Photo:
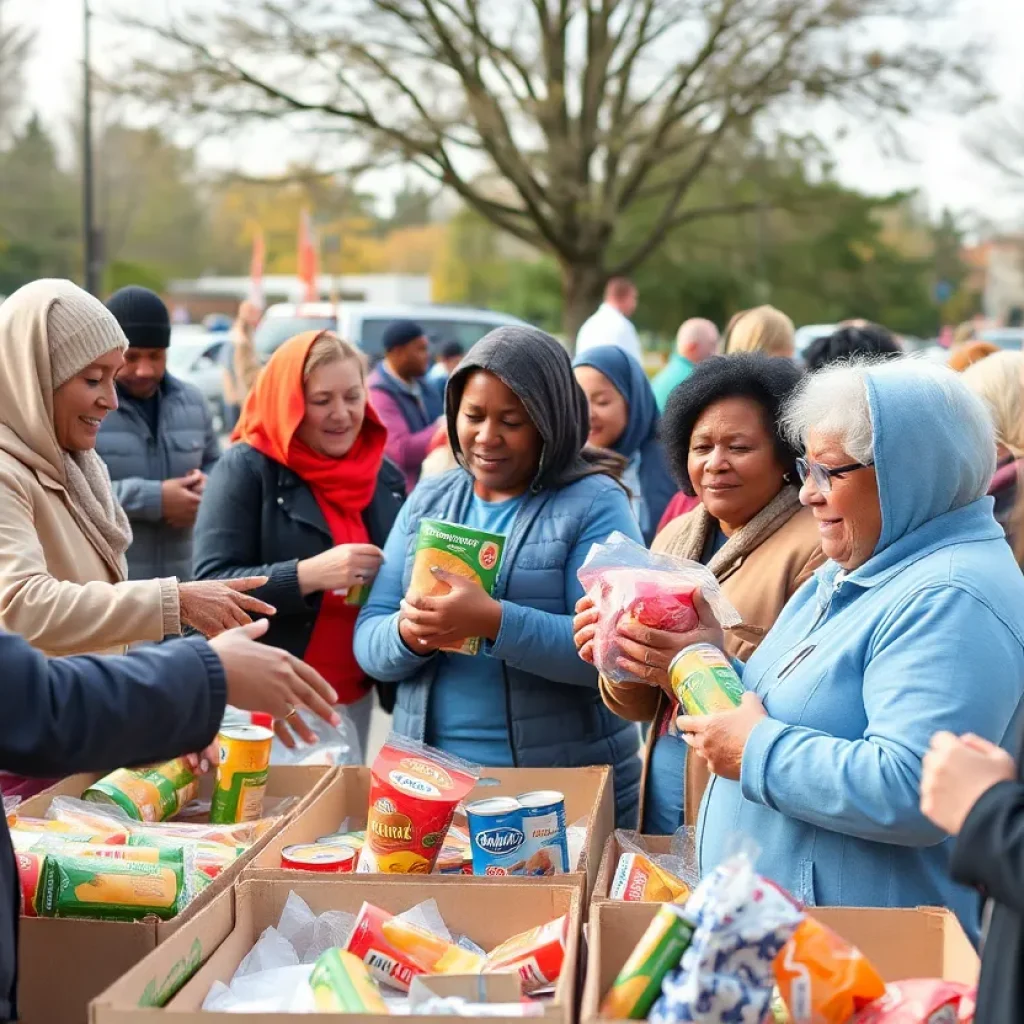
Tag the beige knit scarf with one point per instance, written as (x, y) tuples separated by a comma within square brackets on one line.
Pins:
[(101, 515)]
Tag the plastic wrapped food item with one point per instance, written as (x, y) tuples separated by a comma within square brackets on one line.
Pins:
[(626, 581), (643, 877), (211, 858), (11, 809), (387, 962), (414, 791), (742, 922), (432, 954), (341, 983), (822, 978), (536, 955), (921, 1001), (55, 885), (99, 831), (659, 951), (153, 793), (456, 856)]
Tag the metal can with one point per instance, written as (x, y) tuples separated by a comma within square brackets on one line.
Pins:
[(242, 774), (496, 836), (704, 680), (154, 793), (658, 952), (336, 860), (543, 814), (342, 983)]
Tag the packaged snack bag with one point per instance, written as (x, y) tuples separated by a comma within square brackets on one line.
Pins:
[(432, 954), (341, 983), (536, 955), (644, 877), (921, 1001), (414, 791), (742, 922), (462, 551), (387, 963), (625, 580), (822, 978)]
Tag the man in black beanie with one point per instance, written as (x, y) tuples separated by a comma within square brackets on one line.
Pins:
[(408, 403), (159, 443)]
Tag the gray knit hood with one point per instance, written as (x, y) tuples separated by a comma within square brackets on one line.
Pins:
[(538, 371)]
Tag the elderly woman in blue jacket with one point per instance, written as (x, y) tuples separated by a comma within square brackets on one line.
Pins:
[(517, 422), (914, 626)]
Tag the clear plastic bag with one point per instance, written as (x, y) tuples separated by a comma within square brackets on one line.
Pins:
[(335, 745), (645, 877), (625, 580)]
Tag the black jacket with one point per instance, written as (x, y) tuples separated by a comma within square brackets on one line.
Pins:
[(258, 518), (989, 854), (96, 714)]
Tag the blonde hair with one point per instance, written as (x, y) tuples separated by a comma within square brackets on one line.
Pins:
[(764, 329), (329, 348), (998, 381)]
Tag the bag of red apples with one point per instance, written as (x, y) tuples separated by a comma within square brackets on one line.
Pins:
[(627, 582)]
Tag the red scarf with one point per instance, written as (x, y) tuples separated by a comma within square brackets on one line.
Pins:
[(343, 489)]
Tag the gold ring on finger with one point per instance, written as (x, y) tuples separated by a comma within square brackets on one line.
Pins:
[(291, 714)]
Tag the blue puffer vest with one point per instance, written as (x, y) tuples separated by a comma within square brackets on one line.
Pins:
[(549, 724)]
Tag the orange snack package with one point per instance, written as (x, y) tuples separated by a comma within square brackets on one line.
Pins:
[(414, 791), (387, 963), (536, 955), (638, 879), (427, 951), (822, 978)]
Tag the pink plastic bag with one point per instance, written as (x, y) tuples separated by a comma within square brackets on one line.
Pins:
[(626, 581)]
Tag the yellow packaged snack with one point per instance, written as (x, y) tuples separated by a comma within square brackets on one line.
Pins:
[(639, 880), (432, 954)]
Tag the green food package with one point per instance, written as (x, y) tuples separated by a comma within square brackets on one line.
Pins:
[(461, 551)]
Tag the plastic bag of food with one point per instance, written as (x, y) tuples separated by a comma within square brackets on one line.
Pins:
[(414, 791), (626, 581), (921, 1001), (84, 831), (11, 808), (432, 954), (644, 877), (822, 978), (342, 983), (536, 955), (741, 923)]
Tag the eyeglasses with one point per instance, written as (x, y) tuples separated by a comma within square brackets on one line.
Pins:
[(822, 475)]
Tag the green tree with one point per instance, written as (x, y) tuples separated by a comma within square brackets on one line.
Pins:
[(15, 48), (574, 108)]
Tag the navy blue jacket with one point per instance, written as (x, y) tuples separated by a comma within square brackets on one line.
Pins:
[(91, 713)]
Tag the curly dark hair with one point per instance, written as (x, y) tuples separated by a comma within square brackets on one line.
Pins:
[(763, 379), (866, 340)]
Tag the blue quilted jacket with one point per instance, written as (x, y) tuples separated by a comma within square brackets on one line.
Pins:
[(554, 713)]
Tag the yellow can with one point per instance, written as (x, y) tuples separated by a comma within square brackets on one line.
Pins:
[(704, 680), (155, 793), (242, 774)]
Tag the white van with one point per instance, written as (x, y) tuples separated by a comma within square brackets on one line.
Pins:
[(364, 324)]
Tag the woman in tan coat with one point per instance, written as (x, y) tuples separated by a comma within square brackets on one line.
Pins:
[(63, 535), (720, 432)]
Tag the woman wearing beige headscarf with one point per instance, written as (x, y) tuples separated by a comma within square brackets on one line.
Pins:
[(763, 329), (63, 536)]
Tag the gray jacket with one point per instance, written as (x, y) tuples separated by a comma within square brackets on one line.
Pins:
[(139, 463)]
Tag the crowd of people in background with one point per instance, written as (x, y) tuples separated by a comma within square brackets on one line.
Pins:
[(860, 509)]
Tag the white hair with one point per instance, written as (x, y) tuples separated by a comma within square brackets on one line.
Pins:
[(834, 404)]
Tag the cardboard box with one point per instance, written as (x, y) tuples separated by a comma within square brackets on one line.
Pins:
[(923, 943), (588, 794), (610, 860), (93, 954), (207, 949)]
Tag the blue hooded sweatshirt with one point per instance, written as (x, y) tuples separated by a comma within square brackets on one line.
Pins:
[(639, 442), (862, 669)]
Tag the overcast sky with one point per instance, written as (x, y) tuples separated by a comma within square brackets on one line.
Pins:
[(942, 163)]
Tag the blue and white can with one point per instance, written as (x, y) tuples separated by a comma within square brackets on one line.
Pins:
[(543, 815), (522, 835)]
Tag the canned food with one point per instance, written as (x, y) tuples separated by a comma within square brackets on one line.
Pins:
[(704, 680), (155, 793), (341, 983), (522, 835), (659, 951), (315, 857), (242, 774)]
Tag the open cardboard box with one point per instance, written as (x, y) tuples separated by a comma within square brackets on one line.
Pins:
[(209, 949), (924, 943), (588, 794), (93, 954), (610, 860)]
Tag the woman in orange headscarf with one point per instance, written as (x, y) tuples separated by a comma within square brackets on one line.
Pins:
[(307, 495)]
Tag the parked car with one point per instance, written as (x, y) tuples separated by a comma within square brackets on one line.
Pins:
[(364, 324), (194, 355)]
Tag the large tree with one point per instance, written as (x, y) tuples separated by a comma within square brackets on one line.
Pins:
[(552, 118), (15, 47)]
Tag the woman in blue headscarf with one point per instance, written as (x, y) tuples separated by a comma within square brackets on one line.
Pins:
[(624, 418)]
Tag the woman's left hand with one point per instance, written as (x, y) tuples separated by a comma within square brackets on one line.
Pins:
[(205, 761), (445, 620), (956, 772), (720, 738)]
